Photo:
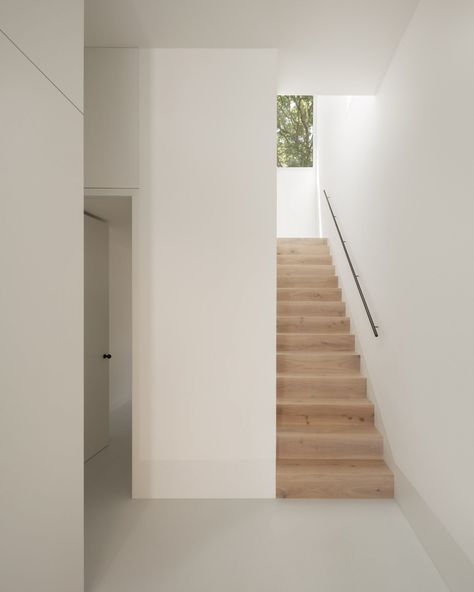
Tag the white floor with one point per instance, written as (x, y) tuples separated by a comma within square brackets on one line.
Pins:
[(242, 545)]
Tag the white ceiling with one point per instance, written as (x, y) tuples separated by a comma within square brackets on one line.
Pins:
[(326, 46)]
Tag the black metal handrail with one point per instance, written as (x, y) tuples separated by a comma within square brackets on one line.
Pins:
[(356, 277)]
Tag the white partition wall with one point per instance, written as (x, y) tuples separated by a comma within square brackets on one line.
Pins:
[(204, 275), (41, 295), (297, 204)]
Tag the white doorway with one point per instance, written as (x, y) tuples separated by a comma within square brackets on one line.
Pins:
[(108, 315)]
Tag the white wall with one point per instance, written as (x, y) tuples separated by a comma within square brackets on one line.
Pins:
[(297, 203), (51, 34), (204, 275), (120, 312), (111, 118), (399, 169), (41, 304)]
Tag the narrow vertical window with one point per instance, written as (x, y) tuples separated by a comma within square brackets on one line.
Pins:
[(295, 131)]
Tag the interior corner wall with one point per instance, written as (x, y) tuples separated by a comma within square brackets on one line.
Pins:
[(204, 250), (41, 337), (398, 167)]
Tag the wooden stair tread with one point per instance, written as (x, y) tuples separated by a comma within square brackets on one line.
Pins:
[(315, 335), (302, 317), (302, 281), (332, 467), (302, 241), (312, 324), (318, 354), (311, 308), (336, 431), (329, 442), (316, 387), (320, 363), (314, 342), (302, 246), (305, 270), (333, 294), (333, 479), (316, 375), (321, 258), (319, 412), (337, 403)]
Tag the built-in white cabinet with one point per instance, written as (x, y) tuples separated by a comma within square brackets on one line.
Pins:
[(111, 118)]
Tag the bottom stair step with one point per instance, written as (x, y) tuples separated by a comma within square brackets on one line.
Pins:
[(333, 479)]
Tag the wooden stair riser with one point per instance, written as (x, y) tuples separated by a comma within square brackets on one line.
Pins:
[(302, 281), (310, 342), (321, 387), (309, 241), (313, 324), (319, 363), (305, 270), (357, 412), (304, 444), (303, 251), (316, 308), (309, 294), (340, 479), (321, 259)]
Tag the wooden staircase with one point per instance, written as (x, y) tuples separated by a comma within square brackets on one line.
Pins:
[(327, 444)]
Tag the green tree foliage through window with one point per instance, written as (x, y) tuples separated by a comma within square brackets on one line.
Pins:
[(294, 131)]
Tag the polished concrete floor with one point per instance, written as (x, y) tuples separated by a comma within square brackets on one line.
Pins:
[(241, 545)]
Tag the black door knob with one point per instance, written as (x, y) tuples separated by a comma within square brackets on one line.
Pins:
[(107, 356)]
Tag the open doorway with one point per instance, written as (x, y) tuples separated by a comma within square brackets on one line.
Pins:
[(107, 405), (107, 316)]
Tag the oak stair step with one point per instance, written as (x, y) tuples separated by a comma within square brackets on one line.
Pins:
[(315, 342), (325, 412), (303, 281), (315, 308), (322, 258), (302, 241), (305, 270), (334, 479), (309, 294), (303, 250), (320, 387), (320, 363), (330, 442), (312, 247), (312, 324)]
